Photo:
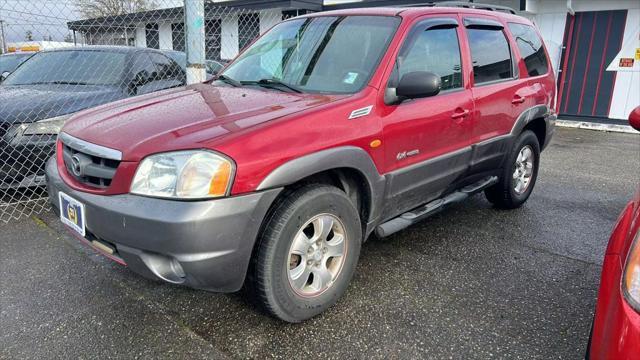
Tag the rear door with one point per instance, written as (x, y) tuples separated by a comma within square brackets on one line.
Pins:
[(500, 94), (427, 139)]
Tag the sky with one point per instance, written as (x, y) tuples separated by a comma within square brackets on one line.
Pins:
[(43, 18), (48, 18)]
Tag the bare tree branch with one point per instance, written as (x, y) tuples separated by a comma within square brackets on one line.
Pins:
[(99, 8)]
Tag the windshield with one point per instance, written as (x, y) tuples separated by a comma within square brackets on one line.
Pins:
[(70, 67), (11, 62), (325, 54)]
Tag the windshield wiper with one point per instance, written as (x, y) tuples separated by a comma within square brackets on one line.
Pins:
[(272, 83), (228, 80), (60, 82)]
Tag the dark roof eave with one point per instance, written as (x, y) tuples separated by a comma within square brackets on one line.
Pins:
[(177, 12)]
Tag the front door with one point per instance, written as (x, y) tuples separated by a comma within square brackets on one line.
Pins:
[(427, 139)]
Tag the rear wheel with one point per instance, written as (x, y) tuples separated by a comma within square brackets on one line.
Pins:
[(306, 254), (519, 175)]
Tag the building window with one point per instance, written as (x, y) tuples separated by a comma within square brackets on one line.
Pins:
[(152, 35), (491, 55), (212, 39), (531, 50), (248, 29), (177, 36), (287, 14)]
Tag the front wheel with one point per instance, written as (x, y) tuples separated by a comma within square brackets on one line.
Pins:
[(307, 253), (519, 175)]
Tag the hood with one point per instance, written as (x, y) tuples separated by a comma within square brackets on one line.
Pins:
[(29, 103), (185, 118)]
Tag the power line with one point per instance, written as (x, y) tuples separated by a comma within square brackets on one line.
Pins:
[(41, 15)]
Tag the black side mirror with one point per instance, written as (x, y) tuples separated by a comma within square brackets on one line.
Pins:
[(418, 84), (4, 75)]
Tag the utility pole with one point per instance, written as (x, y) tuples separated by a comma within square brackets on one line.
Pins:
[(194, 41), (2, 38)]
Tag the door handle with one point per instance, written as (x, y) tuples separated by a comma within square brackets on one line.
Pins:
[(460, 113), (517, 99)]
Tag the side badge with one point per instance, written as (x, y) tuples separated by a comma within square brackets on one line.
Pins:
[(405, 154), (361, 112)]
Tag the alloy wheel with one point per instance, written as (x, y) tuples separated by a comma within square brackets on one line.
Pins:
[(523, 170), (316, 255)]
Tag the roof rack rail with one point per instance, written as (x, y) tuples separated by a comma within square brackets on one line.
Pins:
[(470, 5)]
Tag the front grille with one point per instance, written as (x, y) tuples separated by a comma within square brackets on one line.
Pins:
[(87, 166)]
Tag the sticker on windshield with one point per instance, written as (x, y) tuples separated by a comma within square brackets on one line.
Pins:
[(350, 78)]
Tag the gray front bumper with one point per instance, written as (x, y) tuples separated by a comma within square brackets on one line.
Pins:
[(212, 240)]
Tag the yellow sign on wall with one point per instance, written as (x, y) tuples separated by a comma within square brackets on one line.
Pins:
[(637, 53)]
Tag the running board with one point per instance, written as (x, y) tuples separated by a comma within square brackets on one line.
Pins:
[(422, 212)]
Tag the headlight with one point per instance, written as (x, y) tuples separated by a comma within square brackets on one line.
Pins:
[(631, 278), (50, 126), (192, 174)]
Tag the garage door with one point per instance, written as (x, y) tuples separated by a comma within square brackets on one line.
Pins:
[(591, 41)]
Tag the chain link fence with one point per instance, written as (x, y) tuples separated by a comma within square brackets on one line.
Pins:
[(61, 57)]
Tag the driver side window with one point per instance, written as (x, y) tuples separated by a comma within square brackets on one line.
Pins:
[(435, 50)]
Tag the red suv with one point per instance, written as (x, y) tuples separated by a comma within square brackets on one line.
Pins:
[(328, 128)]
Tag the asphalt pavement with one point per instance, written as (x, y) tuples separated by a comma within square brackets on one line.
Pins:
[(471, 282)]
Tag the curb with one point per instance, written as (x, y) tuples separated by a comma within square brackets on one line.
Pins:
[(596, 126)]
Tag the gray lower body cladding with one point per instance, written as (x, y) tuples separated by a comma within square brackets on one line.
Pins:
[(211, 240)]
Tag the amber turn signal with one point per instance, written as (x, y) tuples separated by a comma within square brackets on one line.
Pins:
[(221, 179)]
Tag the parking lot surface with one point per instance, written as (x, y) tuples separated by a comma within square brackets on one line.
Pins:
[(471, 282)]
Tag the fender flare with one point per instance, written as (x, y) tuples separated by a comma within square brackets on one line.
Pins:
[(535, 112), (350, 157)]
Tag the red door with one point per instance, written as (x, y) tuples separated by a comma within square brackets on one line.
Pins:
[(427, 139), (499, 92)]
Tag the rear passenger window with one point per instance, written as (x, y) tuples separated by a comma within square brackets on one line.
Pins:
[(436, 51), (491, 55), (530, 46)]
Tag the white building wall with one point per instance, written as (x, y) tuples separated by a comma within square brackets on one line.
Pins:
[(626, 90), (229, 31), (141, 36), (165, 36), (269, 18), (229, 37)]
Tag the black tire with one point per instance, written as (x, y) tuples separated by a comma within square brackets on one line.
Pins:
[(503, 195), (268, 279)]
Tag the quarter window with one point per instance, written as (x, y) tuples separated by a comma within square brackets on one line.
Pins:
[(436, 51), (531, 49), (491, 55)]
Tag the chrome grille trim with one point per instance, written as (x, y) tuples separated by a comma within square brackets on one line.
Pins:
[(89, 148)]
